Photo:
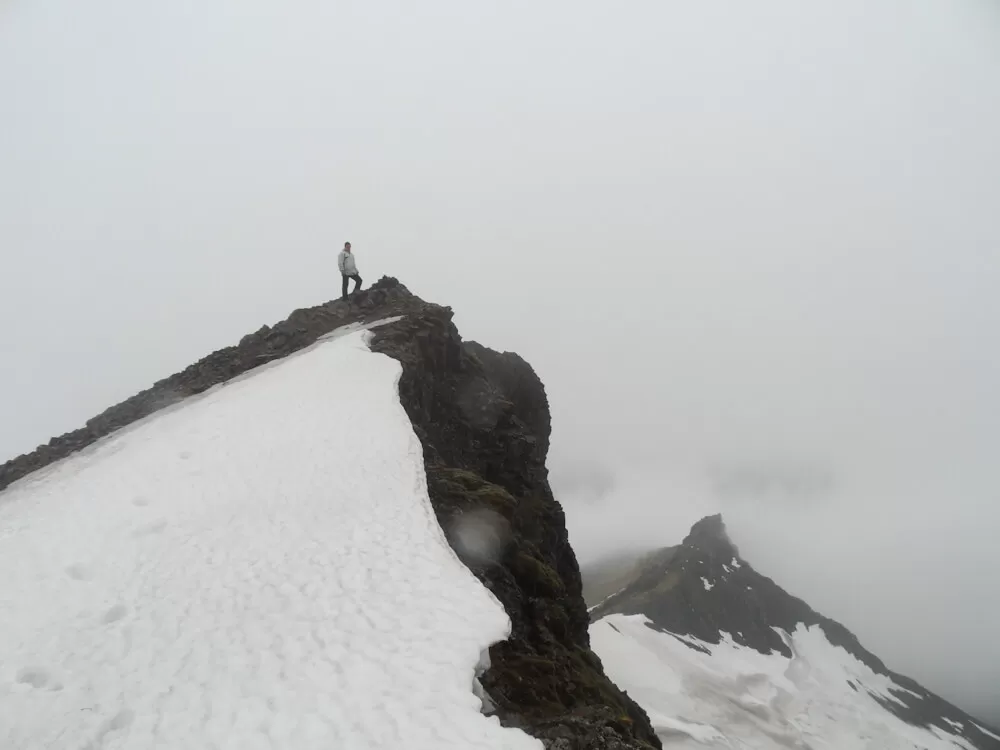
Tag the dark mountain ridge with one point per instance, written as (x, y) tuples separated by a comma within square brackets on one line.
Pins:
[(483, 420), (704, 588)]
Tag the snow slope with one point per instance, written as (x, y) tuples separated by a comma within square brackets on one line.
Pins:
[(702, 695), (257, 567)]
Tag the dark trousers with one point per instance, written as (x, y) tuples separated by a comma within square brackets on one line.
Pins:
[(343, 287)]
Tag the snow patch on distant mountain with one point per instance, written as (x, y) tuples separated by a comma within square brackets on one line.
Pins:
[(987, 732), (591, 609), (726, 695), (256, 567)]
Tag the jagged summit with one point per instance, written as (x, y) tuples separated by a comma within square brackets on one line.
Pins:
[(704, 593), (710, 535)]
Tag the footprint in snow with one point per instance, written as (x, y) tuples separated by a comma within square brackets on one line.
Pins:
[(114, 614), (118, 722), (79, 572), (150, 528), (38, 678), (121, 720)]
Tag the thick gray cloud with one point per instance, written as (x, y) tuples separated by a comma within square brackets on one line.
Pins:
[(727, 236)]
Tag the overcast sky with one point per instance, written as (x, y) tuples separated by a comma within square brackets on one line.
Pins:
[(760, 236)]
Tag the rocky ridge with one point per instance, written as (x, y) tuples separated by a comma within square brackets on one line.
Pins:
[(483, 419)]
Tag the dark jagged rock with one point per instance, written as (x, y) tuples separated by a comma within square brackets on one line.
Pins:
[(703, 588), (710, 535), (483, 420)]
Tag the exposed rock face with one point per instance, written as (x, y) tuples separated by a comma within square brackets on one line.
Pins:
[(710, 535), (483, 420), (703, 588)]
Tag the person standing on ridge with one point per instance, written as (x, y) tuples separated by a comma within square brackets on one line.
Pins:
[(348, 270)]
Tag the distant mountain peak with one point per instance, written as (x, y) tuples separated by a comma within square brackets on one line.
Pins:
[(705, 595), (710, 535)]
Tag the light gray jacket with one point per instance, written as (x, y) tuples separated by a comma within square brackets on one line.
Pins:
[(345, 262)]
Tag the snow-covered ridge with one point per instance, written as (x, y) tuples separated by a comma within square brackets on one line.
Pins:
[(387, 297), (726, 695), (259, 566), (483, 422)]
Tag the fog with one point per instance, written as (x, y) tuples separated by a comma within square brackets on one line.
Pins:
[(737, 241)]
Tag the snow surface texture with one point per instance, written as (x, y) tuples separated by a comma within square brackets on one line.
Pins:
[(257, 567), (730, 696)]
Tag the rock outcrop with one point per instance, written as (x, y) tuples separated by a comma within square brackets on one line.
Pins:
[(483, 420), (704, 588)]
